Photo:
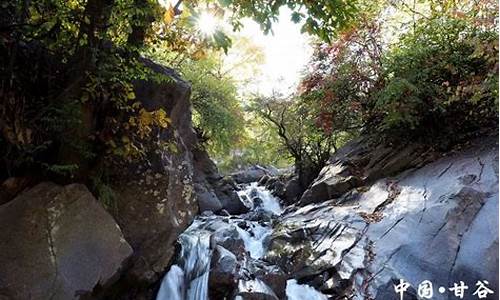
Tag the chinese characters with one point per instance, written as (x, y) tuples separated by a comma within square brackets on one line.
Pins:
[(425, 289)]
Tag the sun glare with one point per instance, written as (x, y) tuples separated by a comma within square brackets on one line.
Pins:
[(207, 23)]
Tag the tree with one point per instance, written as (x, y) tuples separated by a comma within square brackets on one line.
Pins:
[(92, 57), (308, 145)]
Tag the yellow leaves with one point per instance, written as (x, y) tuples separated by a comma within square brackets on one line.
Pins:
[(145, 121), (131, 95), (168, 16), (18, 134), (199, 54), (161, 119), (145, 118)]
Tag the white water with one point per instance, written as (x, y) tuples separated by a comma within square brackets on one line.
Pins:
[(269, 202), (188, 278), (295, 291), (254, 240), (172, 285)]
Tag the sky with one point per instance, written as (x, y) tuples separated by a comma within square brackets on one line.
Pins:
[(286, 52)]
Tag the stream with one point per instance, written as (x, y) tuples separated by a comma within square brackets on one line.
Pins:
[(188, 278)]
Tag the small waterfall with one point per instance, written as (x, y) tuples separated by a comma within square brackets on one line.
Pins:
[(295, 291), (254, 238), (188, 278), (267, 201), (172, 285)]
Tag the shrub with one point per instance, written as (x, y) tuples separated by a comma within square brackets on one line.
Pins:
[(440, 80)]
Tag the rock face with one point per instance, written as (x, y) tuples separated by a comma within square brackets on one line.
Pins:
[(438, 222), (253, 173), (362, 162), (155, 199), (58, 243), (158, 198)]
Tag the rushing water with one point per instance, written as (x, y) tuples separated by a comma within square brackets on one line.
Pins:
[(295, 291), (188, 278)]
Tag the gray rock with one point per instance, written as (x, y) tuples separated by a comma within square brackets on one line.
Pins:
[(293, 190), (207, 200), (437, 223), (361, 162), (223, 278), (263, 180), (58, 243), (231, 202), (333, 181), (155, 197), (255, 290), (229, 238), (277, 188), (251, 174)]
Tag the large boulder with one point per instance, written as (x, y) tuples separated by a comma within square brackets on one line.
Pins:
[(252, 174), (225, 190), (293, 190), (58, 242), (159, 196), (223, 278), (437, 223), (363, 161), (207, 200), (155, 198)]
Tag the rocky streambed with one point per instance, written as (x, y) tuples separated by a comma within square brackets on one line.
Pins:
[(224, 256), (436, 222)]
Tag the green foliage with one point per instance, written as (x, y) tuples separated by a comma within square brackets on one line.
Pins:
[(260, 145), (294, 123), (321, 18), (70, 96), (105, 194), (437, 82), (217, 111), (63, 170), (127, 127), (441, 77)]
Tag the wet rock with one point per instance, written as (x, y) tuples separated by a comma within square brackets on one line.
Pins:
[(277, 185), (207, 213), (275, 278), (223, 279), (277, 188), (229, 238), (224, 212), (243, 225), (264, 180), (257, 202), (251, 174), (260, 216), (230, 200), (254, 290), (62, 247), (233, 204)]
